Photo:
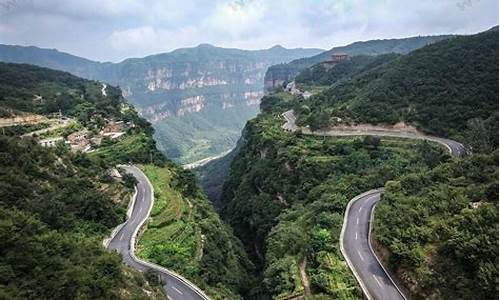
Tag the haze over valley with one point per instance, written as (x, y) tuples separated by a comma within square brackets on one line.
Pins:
[(357, 161)]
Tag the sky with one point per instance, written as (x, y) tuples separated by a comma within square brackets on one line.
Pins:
[(112, 30)]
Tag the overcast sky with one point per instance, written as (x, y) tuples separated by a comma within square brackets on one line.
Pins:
[(116, 29)]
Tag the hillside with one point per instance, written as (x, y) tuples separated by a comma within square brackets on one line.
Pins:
[(66, 193), (56, 207), (447, 89), (198, 99), (285, 196), (278, 74), (286, 193), (440, 228), (187, 236)]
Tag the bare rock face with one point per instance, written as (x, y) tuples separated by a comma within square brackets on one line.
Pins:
[(203, 94)]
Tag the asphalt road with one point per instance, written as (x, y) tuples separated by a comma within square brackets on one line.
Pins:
[(176, 287), (355, 238), (455, 148), (356, 248), (356, 245)]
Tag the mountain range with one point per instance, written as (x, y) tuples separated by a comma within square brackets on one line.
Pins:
[(198, 99)]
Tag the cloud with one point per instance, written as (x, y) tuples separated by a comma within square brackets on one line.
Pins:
[(117, 29)]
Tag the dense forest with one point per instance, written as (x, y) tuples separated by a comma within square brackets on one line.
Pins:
[(440, 227), (444, 89), (287, 72), (319, 75), (187, 236), (55, 209), (286, 193), (57, 205)]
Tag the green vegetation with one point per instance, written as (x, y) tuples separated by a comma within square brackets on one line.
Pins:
[(203, 134), (186, 235), (286, 194), (55, 209), (212, 175), (82, 100), (440, 227), (18, 130), (21, 84), (287, 72), (318, 75), (221, 76), (445, 89)]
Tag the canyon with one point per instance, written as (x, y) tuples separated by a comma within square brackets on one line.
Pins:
[(198, 99)]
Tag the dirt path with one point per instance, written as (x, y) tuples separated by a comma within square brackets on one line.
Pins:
[(303, 276)]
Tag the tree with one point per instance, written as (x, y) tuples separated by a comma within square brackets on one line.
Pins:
[(372, 141)]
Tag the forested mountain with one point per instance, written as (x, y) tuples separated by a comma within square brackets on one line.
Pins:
[(443, 89), (286, 193), (278, 74), (55, 209), (440, 227), (58, 203), (198, 99)]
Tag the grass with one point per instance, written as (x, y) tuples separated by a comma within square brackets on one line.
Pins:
[(171, 238)]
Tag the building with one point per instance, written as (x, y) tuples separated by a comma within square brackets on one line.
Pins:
[(50, 142), (78, 141), (339, 57), (335, 59)]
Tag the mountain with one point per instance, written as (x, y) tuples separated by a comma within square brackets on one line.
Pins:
[(437, 226), (53, 59), (62, 137), (197, 99), (278, 74), (441, 89), (57, 204)]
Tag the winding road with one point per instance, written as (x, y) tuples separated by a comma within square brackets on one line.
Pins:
[(355, 238), (124, 236)]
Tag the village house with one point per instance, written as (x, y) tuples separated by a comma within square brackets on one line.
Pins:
[(50, 142), (78, 141)]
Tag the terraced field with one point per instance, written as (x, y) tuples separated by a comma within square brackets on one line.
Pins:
[(172, 238)]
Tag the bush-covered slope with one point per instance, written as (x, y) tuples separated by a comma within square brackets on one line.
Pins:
[(441, 229), (69, 200), (55, 209), (441, 88), (186, 235), (286, 194), (319, 75), (287, 72), (35, 90)]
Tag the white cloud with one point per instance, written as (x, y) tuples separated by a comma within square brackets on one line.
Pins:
[(116, 29)]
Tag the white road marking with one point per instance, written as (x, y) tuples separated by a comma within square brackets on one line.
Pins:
[(378, 282), (359, 210), (357, 221), (356, 235), (121, 236), (140, 209), (176, 290), (359, 253)]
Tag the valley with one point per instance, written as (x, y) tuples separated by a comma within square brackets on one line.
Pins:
[(197, 99), (367, 171)]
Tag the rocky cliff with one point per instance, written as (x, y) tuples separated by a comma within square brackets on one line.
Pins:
[(198, 99)]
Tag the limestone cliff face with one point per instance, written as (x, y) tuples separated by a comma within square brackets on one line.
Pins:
[(204, 93)]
